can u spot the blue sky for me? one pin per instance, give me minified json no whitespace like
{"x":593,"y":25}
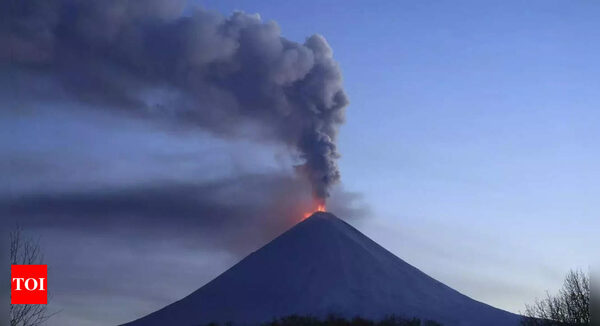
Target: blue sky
{"x":471,"y":137}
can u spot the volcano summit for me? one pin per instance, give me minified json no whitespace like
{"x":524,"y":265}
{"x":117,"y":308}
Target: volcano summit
{"x":324,"y":266}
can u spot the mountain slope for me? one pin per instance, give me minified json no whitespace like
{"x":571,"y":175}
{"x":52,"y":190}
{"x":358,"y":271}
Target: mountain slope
{"x":321,"y":266}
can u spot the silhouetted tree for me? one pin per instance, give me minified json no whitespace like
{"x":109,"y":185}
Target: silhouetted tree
{"x":25,"y":251}
{"x":571,"y":306}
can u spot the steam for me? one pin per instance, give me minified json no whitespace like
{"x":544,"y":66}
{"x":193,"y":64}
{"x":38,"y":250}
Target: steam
{"x":161,"y":60}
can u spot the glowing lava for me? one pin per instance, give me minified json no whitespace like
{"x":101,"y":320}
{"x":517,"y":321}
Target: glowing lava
{"x":320,"y":208}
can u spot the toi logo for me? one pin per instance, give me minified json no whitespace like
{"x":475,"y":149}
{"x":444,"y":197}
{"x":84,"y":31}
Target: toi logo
{"x":29,"y":284}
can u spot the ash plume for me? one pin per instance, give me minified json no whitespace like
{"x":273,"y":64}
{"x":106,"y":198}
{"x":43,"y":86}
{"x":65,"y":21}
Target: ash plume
{"x":163,"y":60}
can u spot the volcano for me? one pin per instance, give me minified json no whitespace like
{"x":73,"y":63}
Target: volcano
{"x":319,"y":267}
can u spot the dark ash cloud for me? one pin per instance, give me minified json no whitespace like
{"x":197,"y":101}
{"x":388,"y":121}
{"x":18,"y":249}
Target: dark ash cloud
{"x":235,"y":214}
{"x":222,"y":74}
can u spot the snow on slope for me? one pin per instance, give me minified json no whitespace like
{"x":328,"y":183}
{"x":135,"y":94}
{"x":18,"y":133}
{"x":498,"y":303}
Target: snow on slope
{"x":321,"y":266}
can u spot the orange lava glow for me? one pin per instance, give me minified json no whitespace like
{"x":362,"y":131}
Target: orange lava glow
{"x":320,"y":208}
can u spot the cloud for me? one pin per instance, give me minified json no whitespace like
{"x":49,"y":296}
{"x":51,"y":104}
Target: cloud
{"x":233,"y":213}
{"x":226,"y":75}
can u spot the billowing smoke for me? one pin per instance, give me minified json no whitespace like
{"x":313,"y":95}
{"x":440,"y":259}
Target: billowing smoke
{"x":234,"y":76}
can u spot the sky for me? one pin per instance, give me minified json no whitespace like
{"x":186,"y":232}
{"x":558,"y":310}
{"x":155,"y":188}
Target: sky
{"x":469,"y":149}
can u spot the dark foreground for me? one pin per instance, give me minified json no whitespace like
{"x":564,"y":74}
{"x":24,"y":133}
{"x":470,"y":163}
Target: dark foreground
{"x":295,"y":320}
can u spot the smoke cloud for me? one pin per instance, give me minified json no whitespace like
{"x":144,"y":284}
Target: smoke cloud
{"x":227,"y":213}
{"x":161,"y":60}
